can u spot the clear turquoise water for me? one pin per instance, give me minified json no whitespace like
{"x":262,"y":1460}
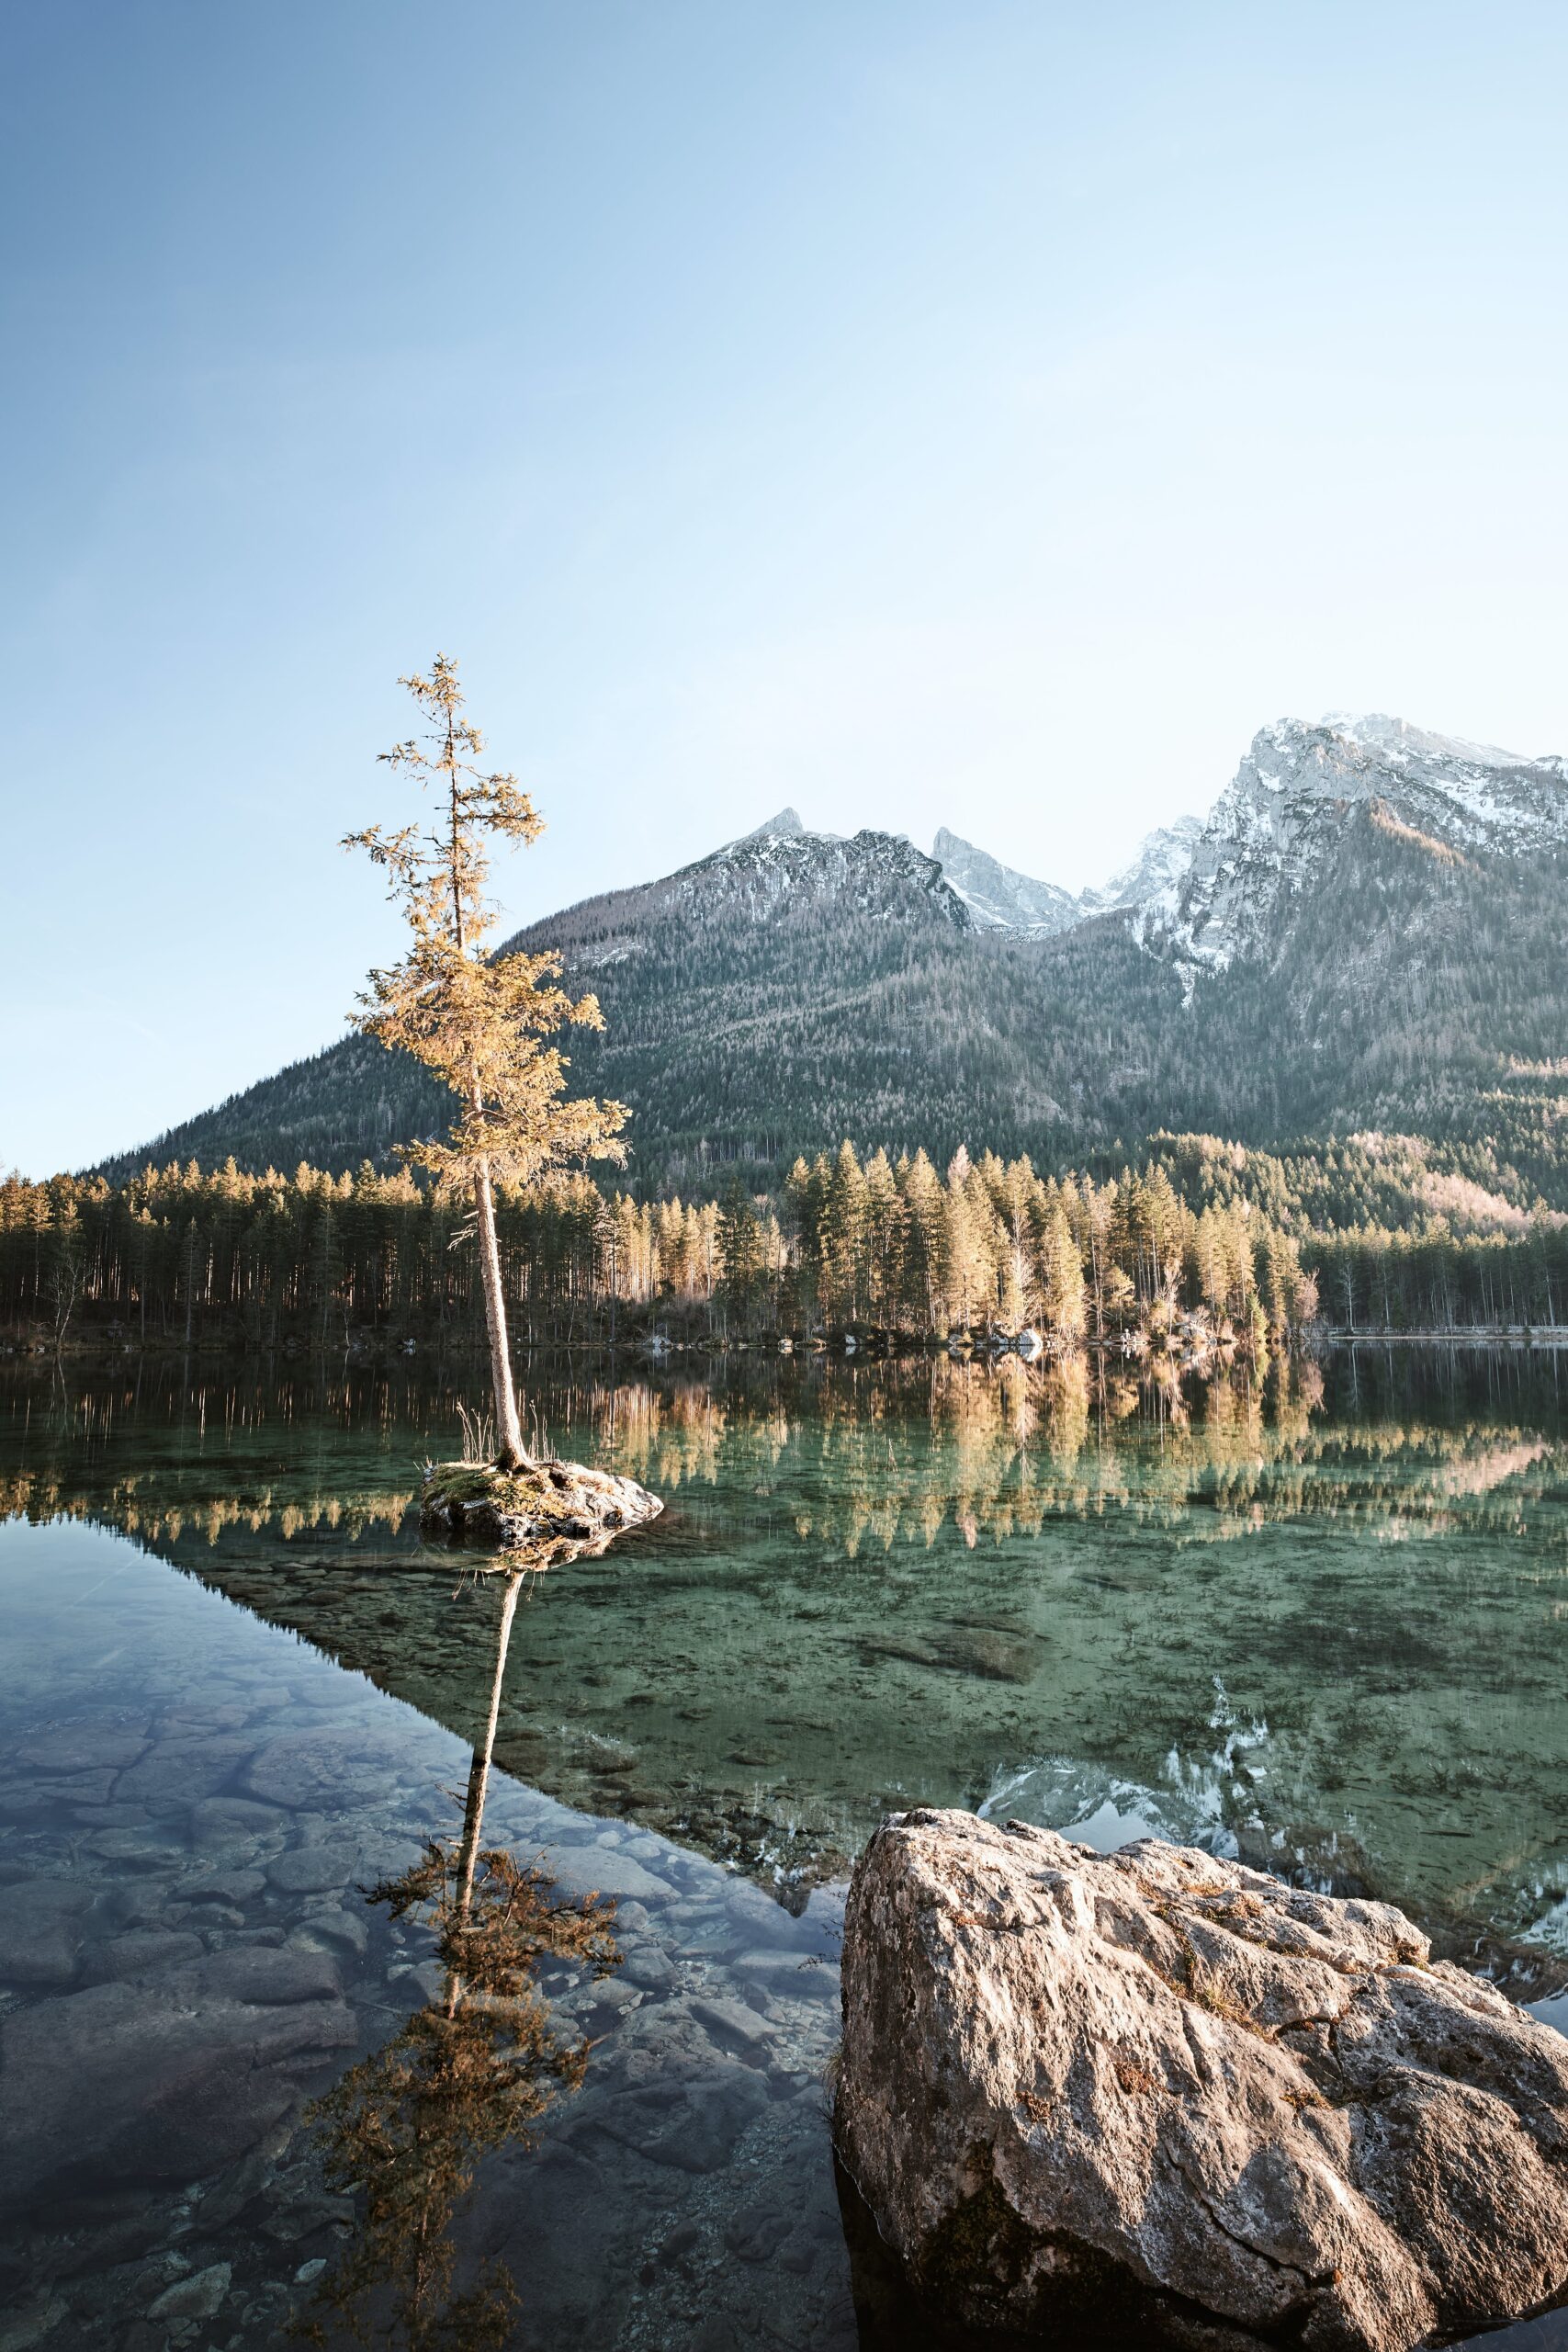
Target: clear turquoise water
{"x":1324,"y":1630}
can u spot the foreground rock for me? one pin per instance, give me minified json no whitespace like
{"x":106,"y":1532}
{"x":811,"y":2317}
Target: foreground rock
{"x":554,"y":1503}
{"x":1169,"y":2098}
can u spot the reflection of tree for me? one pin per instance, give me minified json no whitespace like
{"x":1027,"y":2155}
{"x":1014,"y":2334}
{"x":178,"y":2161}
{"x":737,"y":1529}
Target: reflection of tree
{"x":872,"y":1457}
{"x":466,"y":2074}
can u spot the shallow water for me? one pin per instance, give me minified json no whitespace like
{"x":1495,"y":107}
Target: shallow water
{"x":1324,"y":1630}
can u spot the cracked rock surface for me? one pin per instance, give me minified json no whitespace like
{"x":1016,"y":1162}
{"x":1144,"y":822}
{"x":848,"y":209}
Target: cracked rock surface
{"x":1174,"y":2100}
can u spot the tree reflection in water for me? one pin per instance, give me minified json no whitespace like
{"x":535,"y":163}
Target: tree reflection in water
{"x":470,"y":2073}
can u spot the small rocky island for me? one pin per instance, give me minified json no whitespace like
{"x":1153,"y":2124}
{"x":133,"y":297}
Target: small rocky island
{"x":1171,"y":2100}
{"x":540,"y":1504}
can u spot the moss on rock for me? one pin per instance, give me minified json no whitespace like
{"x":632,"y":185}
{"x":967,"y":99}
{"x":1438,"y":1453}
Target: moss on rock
{"x":548,"y":1503}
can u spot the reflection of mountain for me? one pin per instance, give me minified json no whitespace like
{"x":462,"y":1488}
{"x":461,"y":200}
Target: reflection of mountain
{"x":879,"y":1588}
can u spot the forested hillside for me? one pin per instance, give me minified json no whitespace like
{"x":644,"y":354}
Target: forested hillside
{"x":894,"y":1249}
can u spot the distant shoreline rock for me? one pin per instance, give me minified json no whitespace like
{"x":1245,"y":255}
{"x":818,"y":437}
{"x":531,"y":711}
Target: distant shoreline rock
{"x":1171,"y":2099}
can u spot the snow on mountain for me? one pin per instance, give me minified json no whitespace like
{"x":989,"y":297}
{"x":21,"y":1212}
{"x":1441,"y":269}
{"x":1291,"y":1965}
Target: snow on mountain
{"x":1198,"y":892}
{"x":772,"y":871}
{"x":780,"y":871}
{"x":1151,"y":883}
{"x":1000,"y":899}
{"x":1290,"y":797}
{"x":784,"y":827}
{"x":1404,"y":742}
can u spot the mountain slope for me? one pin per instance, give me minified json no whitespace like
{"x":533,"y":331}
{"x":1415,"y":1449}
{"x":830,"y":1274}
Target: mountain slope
{"x":1155,"y":875}
{"x":1000,"y":899}
{"x":1369,"y":932}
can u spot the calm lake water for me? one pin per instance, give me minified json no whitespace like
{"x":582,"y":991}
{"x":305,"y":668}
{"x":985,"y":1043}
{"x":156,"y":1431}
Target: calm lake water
{"x":1324,"y":1627}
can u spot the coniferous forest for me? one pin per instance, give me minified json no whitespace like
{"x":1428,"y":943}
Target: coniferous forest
{"x":1199,"y":1245}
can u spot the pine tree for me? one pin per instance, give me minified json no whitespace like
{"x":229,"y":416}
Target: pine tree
{"x":925,"y":1260}
{"x":478,"y":1023}
{"x":843,"y":1236}
{"x":884,"y":1239}
{"x":1061,"y":1278}
{"x":742,"y":1255}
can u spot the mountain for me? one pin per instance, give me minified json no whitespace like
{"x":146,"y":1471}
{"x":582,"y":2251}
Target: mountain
{"x":1281,"y":818}
{"x":998,"y":897}
{"x":1150,"y":882}
{"x":770,"y":980}
{"x":1001,"y":900}
{"x":774,"y":875}
{"x":782,"y":827}
{"x":1369,"y":933}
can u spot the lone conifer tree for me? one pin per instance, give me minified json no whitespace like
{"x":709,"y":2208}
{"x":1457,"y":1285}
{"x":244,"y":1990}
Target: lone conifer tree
{"x":476,"y":1021}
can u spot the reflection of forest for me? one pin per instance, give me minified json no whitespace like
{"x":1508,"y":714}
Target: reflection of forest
{"x":928,"y":1582}
{"x":889,"y":1456}
{"x":998,"y":1451}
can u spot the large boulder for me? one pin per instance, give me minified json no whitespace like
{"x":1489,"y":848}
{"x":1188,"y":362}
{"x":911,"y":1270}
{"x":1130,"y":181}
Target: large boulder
{"x":1160,"y":2097}
{"x":549,"y":1510}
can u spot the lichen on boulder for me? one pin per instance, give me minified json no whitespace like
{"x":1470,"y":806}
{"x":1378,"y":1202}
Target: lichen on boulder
{"x":546,"y":1504}
{"x":1160,"y":2098}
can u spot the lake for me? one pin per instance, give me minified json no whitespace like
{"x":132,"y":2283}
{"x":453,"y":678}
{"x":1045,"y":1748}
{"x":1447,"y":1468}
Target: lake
{"x":1322,"y":1625}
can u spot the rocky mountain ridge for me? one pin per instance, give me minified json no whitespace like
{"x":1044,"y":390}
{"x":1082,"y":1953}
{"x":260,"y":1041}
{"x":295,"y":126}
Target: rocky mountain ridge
{"x":1271,"y":831}
{"x":1000,"y":899}
{"x":1204,"y":890}
{"x":772,"y":875}
{"x":1370,"y":931}
{"x":997,"y":897}
{"x":1200,"y":891}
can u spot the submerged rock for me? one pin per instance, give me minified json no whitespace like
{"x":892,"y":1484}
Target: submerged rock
{"x":164,"y":2078}
{"x":554,"y":1503}
{"x":1166,"y":2096}
{"x":42,"y":1929}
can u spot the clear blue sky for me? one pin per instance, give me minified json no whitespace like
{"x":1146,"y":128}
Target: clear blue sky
{"x":983,"y":414}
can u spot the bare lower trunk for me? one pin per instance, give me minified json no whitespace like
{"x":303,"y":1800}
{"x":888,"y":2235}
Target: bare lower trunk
{"x":511,"y":1453}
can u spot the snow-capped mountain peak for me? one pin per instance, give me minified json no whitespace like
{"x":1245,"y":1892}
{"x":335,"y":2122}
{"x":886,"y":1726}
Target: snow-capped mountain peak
{"x":1401,"y":742}
{"x":998,"y":897}
{"x":1151,"y":880}
{"x":1198,"y":891}
{"x":786,"y":826}
{"x":1286,"y":807}
{"x":784,"y":867}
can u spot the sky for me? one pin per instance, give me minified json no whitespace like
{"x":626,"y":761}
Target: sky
{"x":979,"y":414}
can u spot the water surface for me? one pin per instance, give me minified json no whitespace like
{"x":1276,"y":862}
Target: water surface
{"x":1322,"y":1626}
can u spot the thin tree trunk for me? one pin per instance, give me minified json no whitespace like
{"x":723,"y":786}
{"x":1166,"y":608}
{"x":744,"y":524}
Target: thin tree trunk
{"x":478,"y":1781}
{"x":511,"y":1451}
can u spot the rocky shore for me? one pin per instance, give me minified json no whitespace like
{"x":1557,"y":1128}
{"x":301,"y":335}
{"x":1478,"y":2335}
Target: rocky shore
{"x":1171,"y":2098}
